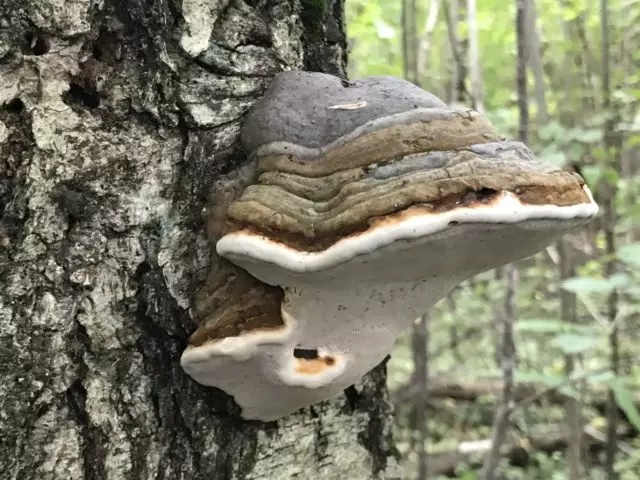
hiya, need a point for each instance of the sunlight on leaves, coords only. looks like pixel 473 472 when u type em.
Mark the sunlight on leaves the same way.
pixel 630 254
pixel 626 401
pixel 572 343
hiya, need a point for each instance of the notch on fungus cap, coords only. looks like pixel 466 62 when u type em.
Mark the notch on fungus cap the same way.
pixel 373 200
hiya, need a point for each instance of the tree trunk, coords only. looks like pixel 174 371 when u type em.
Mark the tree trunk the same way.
pixel 534 61
pixel 573 405
pixel 475 71
pixel 610 215
pixel 424 45
pixel 121 119
pixel 458 48
pixel 409 41
pixel 420 378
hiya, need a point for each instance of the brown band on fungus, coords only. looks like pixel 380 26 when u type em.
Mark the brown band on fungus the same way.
pixel 422 167
pixel 396 141
pixel 556 188
pixel 225 283
pixel 256 310
pixel 534 196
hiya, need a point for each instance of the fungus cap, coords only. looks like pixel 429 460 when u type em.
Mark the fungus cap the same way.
pixel 373 200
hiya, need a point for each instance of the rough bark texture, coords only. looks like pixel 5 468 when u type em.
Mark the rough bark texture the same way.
pixel 118 122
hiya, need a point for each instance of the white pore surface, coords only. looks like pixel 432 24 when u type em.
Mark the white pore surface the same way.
pixel 277 264
pixel 353 299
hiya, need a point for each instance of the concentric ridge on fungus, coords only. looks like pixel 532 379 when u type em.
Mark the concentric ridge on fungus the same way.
pixel 372 200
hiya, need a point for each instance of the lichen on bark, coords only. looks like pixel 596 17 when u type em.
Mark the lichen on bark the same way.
pixel 117 119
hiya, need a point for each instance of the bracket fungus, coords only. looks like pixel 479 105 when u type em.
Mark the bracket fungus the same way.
pixel 372 200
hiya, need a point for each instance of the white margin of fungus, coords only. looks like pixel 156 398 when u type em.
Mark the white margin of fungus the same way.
pixel 241 347
pixel 506 208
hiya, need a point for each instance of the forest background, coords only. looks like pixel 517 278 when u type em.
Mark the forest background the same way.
pixel 541 356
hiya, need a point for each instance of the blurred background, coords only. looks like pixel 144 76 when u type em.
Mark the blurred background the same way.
pixel 533 371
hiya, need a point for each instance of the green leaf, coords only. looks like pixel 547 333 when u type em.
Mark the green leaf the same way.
pixel 551 130
pixel 620 279
pixel 591 174
pixel 589 136
pixel 625 400
pixel 572 343
pixel 588 285
pixel 384 30
pixel 610 175
pixel 630 254
pixel 556 158
pixel 542 325
pixel 576 152
pixel 633 140
pixel 541 378
pixel 633 212
pixel 600 377
pixel 569 391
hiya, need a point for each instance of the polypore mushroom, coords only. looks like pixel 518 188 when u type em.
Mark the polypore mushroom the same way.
pixel 373 199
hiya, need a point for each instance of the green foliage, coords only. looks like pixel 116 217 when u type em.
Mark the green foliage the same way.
pixel 542 325
pixel 626 401
pixel 589 285
pixel 375 38
pixel 630 254
pixel 573 343
pixel 463 331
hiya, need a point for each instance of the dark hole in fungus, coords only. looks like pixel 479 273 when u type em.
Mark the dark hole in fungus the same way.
pixel 481 195
pixel 306 353
pixel 14 106
pixel 453 223
pixel 329 361
pixel 86 95
pixel 37 43
pixel 485 194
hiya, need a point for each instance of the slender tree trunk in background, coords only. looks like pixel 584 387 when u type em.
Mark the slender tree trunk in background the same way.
pixel 454 334
pixel 573 405
pixel 121 118
pixel 609 223
pixel 458 48
pixel 420 329
pixel 580 63
pixel 425 43
pixel 497 321
pixel 450 10
pixel 409 40
pixel 565 77
pixel 475 71
pixel 406 53
pixel 566 265
pixel 574 70
pixel 508 357
pixel 523 49
pixel 534 61
pixel 508 364
pixel 588 64
pixel 420 378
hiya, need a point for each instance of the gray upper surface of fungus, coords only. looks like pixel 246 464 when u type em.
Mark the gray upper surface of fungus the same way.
pixel 303 100
pixel 373 199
